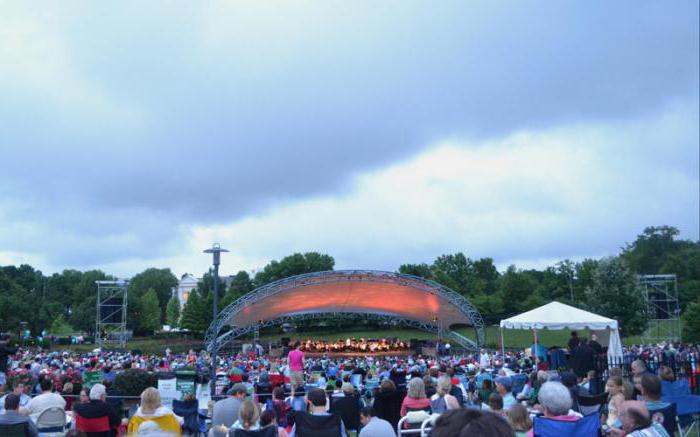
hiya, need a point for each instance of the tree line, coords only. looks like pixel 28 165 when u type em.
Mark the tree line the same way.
pixel 608 286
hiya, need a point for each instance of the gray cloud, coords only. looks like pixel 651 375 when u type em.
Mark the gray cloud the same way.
pixel 204 116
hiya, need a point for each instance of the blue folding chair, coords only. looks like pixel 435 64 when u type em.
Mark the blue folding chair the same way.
pixel 676 388
pixel 687 411
pixel 587 426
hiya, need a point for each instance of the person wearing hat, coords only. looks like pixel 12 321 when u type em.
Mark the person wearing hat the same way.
pixel 226 410
pixel 504 385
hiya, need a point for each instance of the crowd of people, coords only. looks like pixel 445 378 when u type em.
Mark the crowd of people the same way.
pixel 368 346
pixel 480 393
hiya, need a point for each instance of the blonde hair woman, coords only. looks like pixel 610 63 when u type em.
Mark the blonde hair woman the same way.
pixel 442 400
pixel 151 410
pixel 248 418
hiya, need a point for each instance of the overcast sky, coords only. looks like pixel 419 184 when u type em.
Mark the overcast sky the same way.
pixel 136 134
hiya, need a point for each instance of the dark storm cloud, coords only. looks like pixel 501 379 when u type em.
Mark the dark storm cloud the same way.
pixel 173 118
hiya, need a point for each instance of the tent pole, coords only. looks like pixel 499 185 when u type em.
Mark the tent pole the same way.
pixel 537 355
pixel 503 345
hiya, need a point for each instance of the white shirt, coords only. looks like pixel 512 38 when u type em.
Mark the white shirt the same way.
pixel 44 401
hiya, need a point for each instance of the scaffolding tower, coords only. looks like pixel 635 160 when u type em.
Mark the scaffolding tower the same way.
pixel 661 295
pixel 111 312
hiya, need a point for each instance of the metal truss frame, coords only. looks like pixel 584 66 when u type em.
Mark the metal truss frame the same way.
pixel 214 341
pixel 661 295
pixel 111 300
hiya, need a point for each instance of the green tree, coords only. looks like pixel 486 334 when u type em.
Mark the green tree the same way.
pixel 240 285
pixel 421 270
pixel 691 321
pixel 173 312
pixel 162 281
pixel 194 313
pixel 293 265
pixel 651 249
pixel 615 293
pixel 149 319
pixel 514 288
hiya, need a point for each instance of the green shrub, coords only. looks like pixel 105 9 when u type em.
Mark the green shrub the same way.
pixel 132 382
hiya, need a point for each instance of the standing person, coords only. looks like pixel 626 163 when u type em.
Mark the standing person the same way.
pixel 597 348
pixel 296 367
pixel 583 359
pixel 573 342
pixel 5 351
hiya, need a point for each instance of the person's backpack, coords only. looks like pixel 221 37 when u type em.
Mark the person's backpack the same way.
pixel 284 413
pixel 438 405
pixel 308 425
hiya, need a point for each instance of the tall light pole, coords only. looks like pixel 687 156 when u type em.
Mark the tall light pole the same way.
pixel 216 254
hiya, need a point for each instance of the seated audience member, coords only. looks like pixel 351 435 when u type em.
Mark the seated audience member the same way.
pixel 46 399
pixel 387 402
pixel 651 391
pixel 666 374
pixel 95 410
pixel 280 407
pixel 519 419
pixel 504 385
pixel 317 419
pixel 19 391
pixel 555 402
pixel 268 419
pixel 485 391
pixel 496 404
pixel 442 400
pixel 569 380
pixel 12 417
pixel 627 387
pixel 67 394
pixel 415 397
pixel 614 389
pixel 226 410
pixel 430 389
pixel 151 410
pixel 374 426
pixel 248 418
pixel 470 422
pixel 636 422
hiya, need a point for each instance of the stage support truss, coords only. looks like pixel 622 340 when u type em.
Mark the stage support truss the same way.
pixel 110 320
pixel 221 332
pixel 661 295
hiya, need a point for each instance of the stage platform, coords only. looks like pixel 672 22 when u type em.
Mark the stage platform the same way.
pixel 350 354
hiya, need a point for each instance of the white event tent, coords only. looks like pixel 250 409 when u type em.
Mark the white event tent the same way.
pixel 556 315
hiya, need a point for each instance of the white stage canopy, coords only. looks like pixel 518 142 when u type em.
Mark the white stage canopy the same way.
pixel 556 315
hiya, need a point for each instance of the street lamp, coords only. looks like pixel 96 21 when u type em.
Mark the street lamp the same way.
pixel 216 255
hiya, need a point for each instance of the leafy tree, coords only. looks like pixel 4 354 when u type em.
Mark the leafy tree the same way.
pixel 196 315
pixel 422 270
pixel 149 319
pixel 514 288
pixel 615 293
pixel 691 319
pixel 85 300
pixel 173 311
pixel 293 265
pixel 162 281
pixel 650 250
pixel 60 326
pixel 240 285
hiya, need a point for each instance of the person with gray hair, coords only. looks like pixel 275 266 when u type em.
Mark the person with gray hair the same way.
pixel 555 401
pixel 415 398
pixel 97 408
